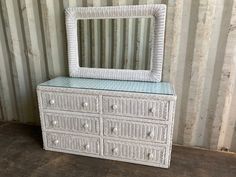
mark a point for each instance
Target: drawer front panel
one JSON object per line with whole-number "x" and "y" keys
{"x": 135, "y": 152}
{"x": 73, "y": 143}
{"x": 72, "y": 123}
{"x": 70, "y": 102}
{"x": 156, "y": 109}
{"x": 135, "y": 130}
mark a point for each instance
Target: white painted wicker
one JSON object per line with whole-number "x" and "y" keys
{"x": 158, "y": 11}
{"x": 79, "y": 117}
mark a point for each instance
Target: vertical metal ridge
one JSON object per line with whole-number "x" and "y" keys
{"x": 199, "y": 79}
{"x": 44, "y": 54}
{"x": 8, "y": 105}
{"x": 46, "y": 35}
{"x": 215, "y": 111}
{"x": 18, "y": 61}
{"x": 32, "y": 48}
{"x": 186, "y": 71}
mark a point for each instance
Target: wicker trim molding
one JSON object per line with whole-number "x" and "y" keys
{"x": 158, "y": 11}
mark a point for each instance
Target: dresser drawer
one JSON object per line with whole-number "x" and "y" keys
{"x": 136, "y": 130}
{"x": 135, "y": 152}
{"x": 146, "y": 108}
{"x": 70, "y": 102}
{"x": 71, "y": 123}
{"x": 79, "y": 144}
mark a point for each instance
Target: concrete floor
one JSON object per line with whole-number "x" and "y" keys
{"x": 21, "y": 155}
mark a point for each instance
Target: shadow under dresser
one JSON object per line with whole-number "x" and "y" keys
{"x": 130, "y": 121}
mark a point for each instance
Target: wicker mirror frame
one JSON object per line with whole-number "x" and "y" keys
{"x": 158, "y": 11}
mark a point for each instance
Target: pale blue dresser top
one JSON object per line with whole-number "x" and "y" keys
{"x": 112, "y": 85}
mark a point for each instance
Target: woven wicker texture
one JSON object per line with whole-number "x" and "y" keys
{"x": 125, "y": 126}
{"x": 74, "y": 143}
{"x": 72, "y": 123}
{"x": 70, "y": 102}
{"x": 158, "y": 11}
{"x": 127, "y": 150}
{"x": 134, "y": 129}
{"x": 130, "y": 121}
{"x": 146, "y": 108}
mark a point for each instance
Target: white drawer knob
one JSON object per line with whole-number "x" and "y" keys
{"x": 115, "y": 150}
{"x": 55, "y": 141}
{"x": 150, "y": 156}
{"x": 51, "y": 101}
{"x": 150, "y": 134}
{"x": 114, "y": 130}
{"x": 85, "y": 104}
{"x": 85, "y": 125}
{"x": 86, "y": 147}
{"x": 54, "y": 122}
{"x": 114, "y": 107}
{"x": 152, "y": 110}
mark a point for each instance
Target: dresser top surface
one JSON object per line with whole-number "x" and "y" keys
{"x": 164, "y": 88}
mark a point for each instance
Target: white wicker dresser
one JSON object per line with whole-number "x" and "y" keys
{"x": 129, "y": 121}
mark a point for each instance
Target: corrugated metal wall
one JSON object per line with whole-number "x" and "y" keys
{"x": 116, "y": 43}
{"x": 200, "y": 60}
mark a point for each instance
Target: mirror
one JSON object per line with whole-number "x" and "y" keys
{"x": 122, "y": 43}
{"x": 116, "y": 42}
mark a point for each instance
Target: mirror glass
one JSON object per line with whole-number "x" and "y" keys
{"x": 115, "y": 43}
